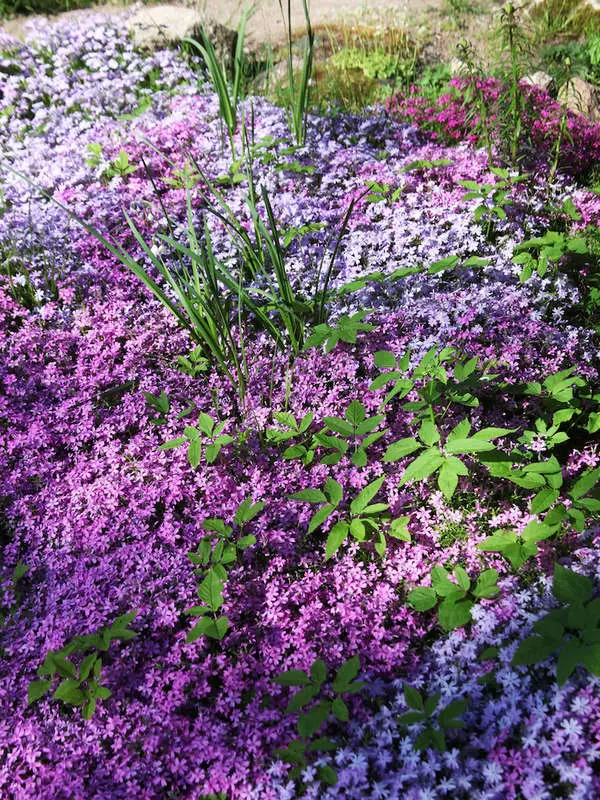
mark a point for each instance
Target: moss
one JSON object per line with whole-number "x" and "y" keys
{"x": 451, "y": 533}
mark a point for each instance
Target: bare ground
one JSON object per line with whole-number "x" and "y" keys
{"x": 430, "y": 23}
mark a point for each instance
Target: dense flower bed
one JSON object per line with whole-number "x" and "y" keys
{"x": 104, "y": 520}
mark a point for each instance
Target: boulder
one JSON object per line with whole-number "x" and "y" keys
{"x": 158, "y": 26}
{"x": 581, "y": 97}
{"x": 541, "y": 80}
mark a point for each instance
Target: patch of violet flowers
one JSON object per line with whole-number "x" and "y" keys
{"x": 104, "y": 519}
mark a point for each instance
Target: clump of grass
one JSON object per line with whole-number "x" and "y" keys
{"x": 358, "y": 63}
{"x": 563, "y": 18}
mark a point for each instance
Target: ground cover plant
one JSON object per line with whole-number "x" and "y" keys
{"x": 299, "y": 443}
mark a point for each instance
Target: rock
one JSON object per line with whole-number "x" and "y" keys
{"x": 458, "y": 67}
{"x": 581, "y": 97}
{"x": 158, "y": 26}
{"x": 541, "y": 80}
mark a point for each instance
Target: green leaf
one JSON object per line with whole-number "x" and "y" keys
{"x": 246, "y": 511}
{"x": 340, "y": 710}
{"x": 87, "y": 712}
{"x": 339, "y": 425}
{"x": 37, "y": 689}
{"x": 447, "y": 479}
{"x": 462, "y": 578}
{"x": 358, "y": 505}
{"x": 486, "y": 584}
{"x": 336, "y": 536}
{"x": 86, "y": 666}
{"x": 69, "y": 692}
{"x": 569, "y": 587}
{"x": 64, "y": 667}
{"x": 454, "y": 613}
{"x": 327, "y": 775}
{"x": 428, "y": 433}
{"x": 401, "y": 448}
{"x": 206, "y": 423}
{"x": 590, "y": 658}
{"x": 214, "y": 629}
{"x": 358, "y": 530}
{"x": 442, "y": 584}
{"x": 447, "y": 716}
{"x": 318, "y": 671}
{"x": 423, "y": 466}
{"x": 322, "y": 743}
{"x": 550, "y": 629}
{"x": 443, "y": 264}
{"x": 543, "y": 500}
{"x": 346, "y": 673}
{"x": 410, "y": 717}
{"x": 293, "y": 677}
{"x": 309, "y": 496}
{"x": 472, "y": 445}
{"x": 422, "y": 598}
{"x": 424, "y": 739}
{"x": 533, "y": 650}
{"x": 319, "y": 517}
{"x": 568, "y": 659}
{"x": 413, "y": 698}
{"x": 210, "y": 590}
{"x": 302, "y": 698}
{"x": 460, "y": 431}
{"x": 399, "y": 529}
{"x": 384, "y": 359}
{"x": 355, "y": 413}
{"x": 194, "y": 451}
{"x": 334, "y": 491}
{"x": 309, "y": 723}
{"x": 585, "y": 483}
{"x": 432, "y": 703}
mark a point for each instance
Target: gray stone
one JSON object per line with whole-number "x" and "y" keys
{"x": 581, "y": 97}
{"x": 540, "y": 79}
{"x": 158, "y": 26}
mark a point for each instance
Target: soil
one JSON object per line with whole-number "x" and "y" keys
{"x": 431, "y": 24}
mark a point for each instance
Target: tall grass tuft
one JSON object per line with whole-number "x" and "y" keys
{"x": 228, "y": 99}
{"x": 298, "y": 92}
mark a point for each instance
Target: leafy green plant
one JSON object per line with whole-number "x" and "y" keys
{"x": 228, "y": 101}
{"x": 217, "y": 552}
{"x": 573, "y": 629}
{"x": 207, "y": 433}
{"x": 119, "y": 167}
{"x": 436, "y": 381}
{"x": 159, "y": 404}
{"x": 346, "y": 329}
{"x": 511, "y": 109}
{"x": 79, "y": 685}
{"x": 298, "y": 91}
{"x": 442, "y": 458}
{"x": 357, "y": 427}
{"x": 493, "y": 198}
{"x": 360, "y": 520}
{"x": 546, "y": 252}
{"x": 316, "y": 702}
{"x": 422, "y": 712}
{"x": 518, "y": 548}
{"x": 476, "y": 98}
{"x": 455, "y": 599}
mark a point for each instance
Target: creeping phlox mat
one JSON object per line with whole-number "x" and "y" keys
{"x": 361, "y": 560}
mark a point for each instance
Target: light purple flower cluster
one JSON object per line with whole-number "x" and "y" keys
{"x": 104, "y": 520}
